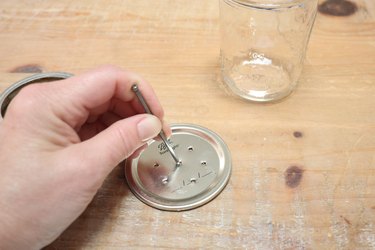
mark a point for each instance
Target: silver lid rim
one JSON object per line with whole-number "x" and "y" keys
{"x": 27, "y": 80}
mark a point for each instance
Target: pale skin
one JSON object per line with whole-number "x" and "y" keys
{"x": 59, "y": 141}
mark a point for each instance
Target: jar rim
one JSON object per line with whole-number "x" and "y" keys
{"x": 267, "y": 3}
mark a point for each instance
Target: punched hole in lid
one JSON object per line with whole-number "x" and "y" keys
{"x": 193, "y": 180}
{"x": 164, "y": 180}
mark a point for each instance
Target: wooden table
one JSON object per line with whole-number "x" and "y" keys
{"x": 303, "y": 169}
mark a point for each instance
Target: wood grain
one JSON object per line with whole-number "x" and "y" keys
{"x": 175, "y": 45}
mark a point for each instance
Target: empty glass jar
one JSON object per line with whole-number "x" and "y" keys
{"x": 263, "y": 45}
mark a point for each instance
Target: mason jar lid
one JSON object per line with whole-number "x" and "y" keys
{"x": 9, "y": 93}
{"x": 158, "y": 181}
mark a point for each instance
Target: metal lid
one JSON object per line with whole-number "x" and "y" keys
{"x": 155, "y": 179}
{"x": 9, "y": 93}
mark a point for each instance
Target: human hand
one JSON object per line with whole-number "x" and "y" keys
{"x": 58, "y": 142}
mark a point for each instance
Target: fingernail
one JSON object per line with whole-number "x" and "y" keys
{"x": 148, "y": 128}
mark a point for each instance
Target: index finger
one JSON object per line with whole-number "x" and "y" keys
{"x": 98, "y": 87}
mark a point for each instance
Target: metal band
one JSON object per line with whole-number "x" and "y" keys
{"x": 9, "y": 93}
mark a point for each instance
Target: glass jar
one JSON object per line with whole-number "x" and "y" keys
{"x": 263, "y": 45}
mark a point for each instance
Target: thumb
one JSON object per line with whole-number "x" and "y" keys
{"x": 111, "y": 146}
